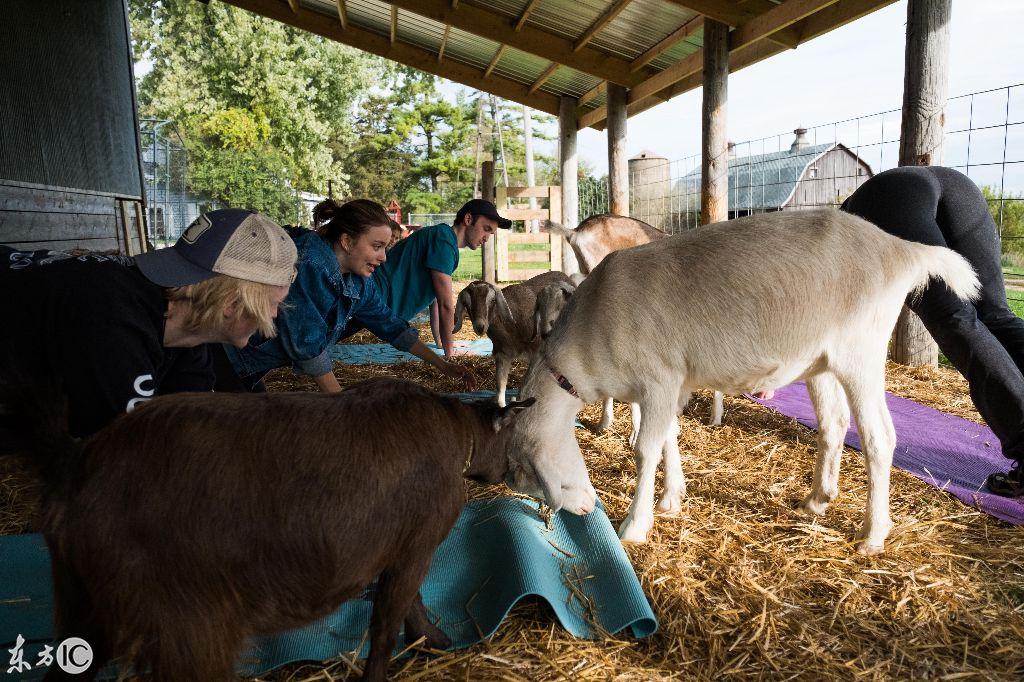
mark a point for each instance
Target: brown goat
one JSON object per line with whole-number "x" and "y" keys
{"x": 200, "y": 520}
{"x": 599, "y": 235}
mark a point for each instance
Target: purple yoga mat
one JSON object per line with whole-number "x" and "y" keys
{"x": 948, "y": 452}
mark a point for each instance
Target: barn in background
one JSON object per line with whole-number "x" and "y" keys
{"x": 70, "y": 169}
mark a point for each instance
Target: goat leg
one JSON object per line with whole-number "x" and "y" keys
{"x": 397, "y": 589}
{"x": 417, "y": 625}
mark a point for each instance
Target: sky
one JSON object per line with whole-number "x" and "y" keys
{"x": 856, "y": 70}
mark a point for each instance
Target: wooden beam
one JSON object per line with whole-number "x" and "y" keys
{"x": 485, "y": 24}
{"x": 294, "y": 4}
{"x": 668, "y": 42}
{"x": 444, "y": 43}
{"x": 602, "y": 21}
{"x": 548, "y": 72}
{"x": 925, "y": 89}
{"x": 831, "y": 15}
{"x": 618, "y": 165}
{"x": 720, "y": 10}
{"x": 783, "y": 16}
{"x": 568, "y": 176}
{"x": 487, "y": 255}
{"x": 592, "y": 93}
{"x": 403, "y": 53}
{"x": 494, "y": 60}
{"x": 394, "y": 24}
{"x": 714, "y": 156}
{"x": 342, "y": 14}
{"x": 526, "y": 14}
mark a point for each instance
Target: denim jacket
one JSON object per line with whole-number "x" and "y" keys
{"x": 321, "y": 301}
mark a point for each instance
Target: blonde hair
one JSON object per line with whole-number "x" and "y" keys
{"x": 207, "y": 300}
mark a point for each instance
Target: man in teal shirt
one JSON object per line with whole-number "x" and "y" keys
{"x": 418, "y": 271}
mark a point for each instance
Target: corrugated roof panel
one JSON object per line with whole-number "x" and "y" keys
{"x": 567, "y": 81}
{"x": 567, "y": 18}
{"x": 369, "y": 14}
{"x": 420, "y": 31}
{"x": 506, "y": 8}
{"x": 521, "y": 66}
{"x": 680, "y": 50}
{"x": 471, "y": 49}
{"x": 639, "y": 27}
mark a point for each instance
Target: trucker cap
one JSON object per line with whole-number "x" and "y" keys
{"x": 485, "y": 208}
{"x": 230, "y": 241}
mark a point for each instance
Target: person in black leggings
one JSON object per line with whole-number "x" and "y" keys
{"x": 983, "y": 340}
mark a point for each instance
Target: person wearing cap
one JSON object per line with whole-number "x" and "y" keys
{"x": 418, "y": 272}
{"x": 335, "y": 286}
{"x": 111, "y": 332}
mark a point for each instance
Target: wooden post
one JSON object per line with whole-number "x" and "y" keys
{"x": 714, "y": 162}
{"x": 618, "y": 166}
{"x": 487, "y": 192}
{"x": 925, "y": 89}
{"x": 126, "y": 231}
{"x": 569, "y": 176}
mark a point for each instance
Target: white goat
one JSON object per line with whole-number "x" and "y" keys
{"x": 750, "y": 304}
{"x": 595, "y": 238}
{"x": 507, "y": 316}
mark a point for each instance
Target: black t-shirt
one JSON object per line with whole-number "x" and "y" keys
{"x": 93, "y": 325}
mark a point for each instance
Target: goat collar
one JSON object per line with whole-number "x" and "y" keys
{"x": 564, "y": 383}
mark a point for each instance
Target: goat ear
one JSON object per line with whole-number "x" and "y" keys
{"x": 504, "y": 312}
{"x": 567, "y": 289}
{"x": 552, "y": 489}
{"x": 536, "y": 326}
{"x": 460, "y": 309}
{"x": 504, "y": 416}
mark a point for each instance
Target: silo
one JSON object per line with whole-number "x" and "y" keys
{"x": 649, "y": 184}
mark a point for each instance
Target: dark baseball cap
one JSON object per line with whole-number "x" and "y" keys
{"x": 230, "y": 241}
{"x": 482, "y": 207}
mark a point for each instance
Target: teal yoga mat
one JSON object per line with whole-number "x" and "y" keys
{"x": 498, "y": 553}
{"x": 385, "y": 354}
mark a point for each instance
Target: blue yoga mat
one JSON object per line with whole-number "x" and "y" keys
{"x": 499, "y": 552}
{"x": 386, "y": 354}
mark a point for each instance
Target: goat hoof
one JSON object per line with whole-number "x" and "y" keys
{"x": 670, "y": 504}
{"x": 813, "y": 505}
{"x": 633, "y": 531}
{"x": 868, "y": 548}
{"x": 439, "y": 641}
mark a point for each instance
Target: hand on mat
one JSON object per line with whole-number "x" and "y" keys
{"x": 765, "y": 395}
{"x": 463, "y": 374}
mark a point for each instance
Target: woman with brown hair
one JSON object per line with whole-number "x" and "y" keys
{"x": 334, "y": 286}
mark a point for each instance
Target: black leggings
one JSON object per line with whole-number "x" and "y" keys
{"x": 983, "y": 340}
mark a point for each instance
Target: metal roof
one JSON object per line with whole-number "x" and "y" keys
{"x": 760, "y": 181}
{"x": 535, "y": 51}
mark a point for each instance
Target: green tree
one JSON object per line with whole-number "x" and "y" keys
{"x": 1008, "y": 212}
{"x": 212, "y": 63}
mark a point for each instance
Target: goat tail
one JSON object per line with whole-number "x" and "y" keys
{"x": 947, "y": 266}
{"x": 558, "y": 229}
{"x": 40, "y": 412}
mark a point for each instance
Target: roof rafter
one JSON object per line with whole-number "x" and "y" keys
{"x": 528, "y": 39}
{"x": 602, "y": 21}
{"x": 294, "y": 4}
{"x": 526, "y": 14}
{"x": 394, "y": 24}
{"x": 495, "y": 59}
{"x": 830, "y": 17}
{"x": 543, "y": 78}
{"x": 403, "y": 53}
{"x": 342, "y": 14}
{"x": 782, "y": 16}
{"x": 444, "y": 43}
{"x": 668, "y": 42}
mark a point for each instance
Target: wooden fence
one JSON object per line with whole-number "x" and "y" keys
{"x": 545, "y": 250}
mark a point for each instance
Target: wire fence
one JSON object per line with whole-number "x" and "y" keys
{"x": 822, "y": 165}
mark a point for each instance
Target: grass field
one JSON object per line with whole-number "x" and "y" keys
{"x": 471, "y": 268}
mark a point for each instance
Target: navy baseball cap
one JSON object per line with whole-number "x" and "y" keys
{"x": 482, "y": 207}
{"x": 230, "y": 241}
